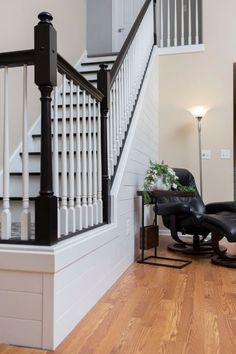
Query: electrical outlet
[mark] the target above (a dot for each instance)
(206, 154)
(225, 154)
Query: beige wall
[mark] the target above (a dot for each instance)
(17, 32)
(207, 79)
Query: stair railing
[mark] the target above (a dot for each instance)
(70, 196)
(179, 23)
(121, 87)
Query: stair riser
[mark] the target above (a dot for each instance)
(75, 111)
(75, 126)
(34, 163)
(37, 145)
(59, 101)
(16, 186)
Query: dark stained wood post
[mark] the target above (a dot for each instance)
(45, 40)
(103, 84)
(155, 20)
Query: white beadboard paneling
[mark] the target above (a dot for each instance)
(20, 305)
(48, 312)
(21, 281)
(21, 332)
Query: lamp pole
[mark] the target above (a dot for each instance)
(200, 151)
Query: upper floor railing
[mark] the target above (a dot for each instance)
(179, 23)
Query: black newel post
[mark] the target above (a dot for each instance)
(45, 40)
(155, 20)
(104, 87)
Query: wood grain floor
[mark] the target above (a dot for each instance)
(153, 310)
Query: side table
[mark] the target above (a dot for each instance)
(146, 260)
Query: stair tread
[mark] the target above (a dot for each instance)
(38, 174)
(98, 62)
(60, 135)
(36, 153)
(74, 105)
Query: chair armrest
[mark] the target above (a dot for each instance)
(213, 208)
(172, 208)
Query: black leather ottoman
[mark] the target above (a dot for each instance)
(222, 224)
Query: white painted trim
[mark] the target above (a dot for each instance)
(54, 258)
(182, 49)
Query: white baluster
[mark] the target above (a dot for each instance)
(123, 101)
(90, 178)
(111, 163)
(189, 23)
(168, 23)
(25, 215)
(64, 208)
(126, 94)
(56, 159)
(176, 34)
(100, 202)
(78, 207)
(120, 109)
(182, 22)
(71, 211)
(162, 25)
(84, 167)
(95, 172)
(117, 117)
(197, 25)
(6, 212)
(113, 107)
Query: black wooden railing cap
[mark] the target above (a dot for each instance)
(45, 17)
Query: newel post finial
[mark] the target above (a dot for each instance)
(45, 17)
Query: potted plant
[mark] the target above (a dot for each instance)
(160, 176)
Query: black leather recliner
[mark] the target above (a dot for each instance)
(189, 215)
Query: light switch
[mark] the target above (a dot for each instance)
(225, 154)
(206, 154)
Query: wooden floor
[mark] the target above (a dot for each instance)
(153, 310)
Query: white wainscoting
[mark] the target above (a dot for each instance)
(56, 286)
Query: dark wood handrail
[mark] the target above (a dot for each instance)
(119, 60)
(72, 74)
(18, 58)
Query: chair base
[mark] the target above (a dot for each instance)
(225, 262)
(204, 249)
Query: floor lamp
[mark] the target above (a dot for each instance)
(199, 112)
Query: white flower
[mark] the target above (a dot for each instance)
(174, 186)
(170, 171)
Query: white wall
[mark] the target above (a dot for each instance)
(69, 278)
(17, 33)
(204, 78)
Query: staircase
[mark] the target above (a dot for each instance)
(60, 179)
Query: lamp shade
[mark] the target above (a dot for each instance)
(198, 111)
